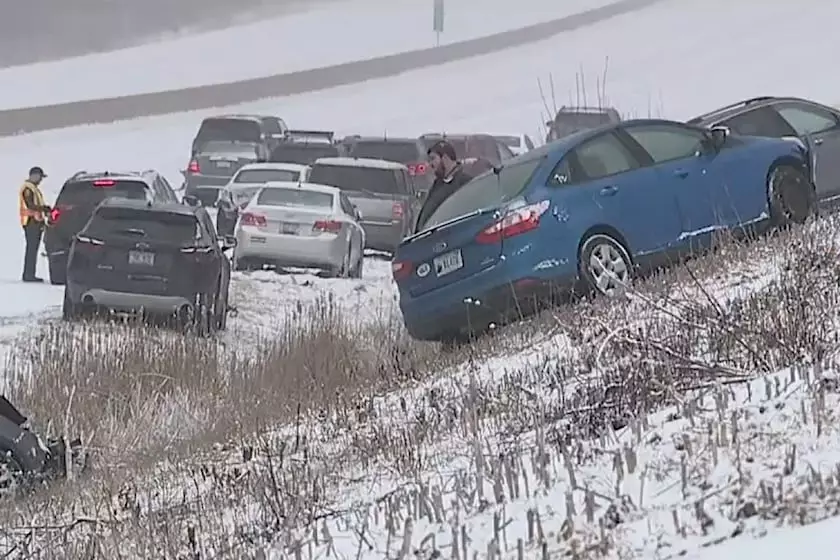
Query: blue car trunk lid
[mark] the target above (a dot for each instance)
(447, 253)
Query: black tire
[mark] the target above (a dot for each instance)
(358, 269)
(792, 196)
(220, 311)
(616, 270)
(244, 264)
(58, 272)
(69, 310)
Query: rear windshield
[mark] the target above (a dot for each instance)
(485, 191)
(510, 141)
(356, 179)
(223, 146)
(228, 129)
(144, 224)
(400, 152)
(266, 175)
(303, 154)
(566, 124)
(91, 193)
(469, 147)
(294, 197)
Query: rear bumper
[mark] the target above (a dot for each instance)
(494, 296)
(382, 237)
(127, 301)
(290, 250)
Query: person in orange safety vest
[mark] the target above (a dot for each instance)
(33, 218)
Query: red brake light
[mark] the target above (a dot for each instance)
(401, 270)
(55, 214)
(398, 210)
(516, 221)
(251, 219)
(193, 167)
(104, 183)
(327, 226)
(419, 168)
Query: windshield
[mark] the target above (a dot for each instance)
(228, 147)
(566, 124)
(228, 129)
(303, 154)
(488, 190)
(295, 197)
(400, 152)
(356, 179)
(91, 193)
(154, 226)
(266, 175)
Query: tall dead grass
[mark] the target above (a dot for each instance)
(152, 403)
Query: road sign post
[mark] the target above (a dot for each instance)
(438, 20)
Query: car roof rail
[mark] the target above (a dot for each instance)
(742, 103)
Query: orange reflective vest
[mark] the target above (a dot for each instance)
(38, 201)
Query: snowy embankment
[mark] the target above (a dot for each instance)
(376, 430)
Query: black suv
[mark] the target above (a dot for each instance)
(264, 129)
(156, 259)
(81, 193)
(569, 120)
(302, 151)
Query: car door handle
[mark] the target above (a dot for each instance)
(681, 173)
(609, 191)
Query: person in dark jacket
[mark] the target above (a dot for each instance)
(449, 177)
(33, 218)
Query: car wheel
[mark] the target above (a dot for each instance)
(221, 312)
(604, 264)
(792, 196)
(69, 310)
(244, 264)
(58, 272)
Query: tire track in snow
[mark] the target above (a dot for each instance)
(48, 117)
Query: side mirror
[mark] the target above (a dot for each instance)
(190, 200)
(228, 242)
(718, 136)
(357, 213)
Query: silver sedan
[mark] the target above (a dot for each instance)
(300, 225)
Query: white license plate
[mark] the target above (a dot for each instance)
(450, 262)
(289, 229)
(222, 164)
(141, 258)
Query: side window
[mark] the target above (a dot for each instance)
(402, 188)
(346, 206)
(764, 121)
(207, 225)
(665, 142)
(604, 156)
(504, 151)
(806, 119)
(272, 125)
(163, 191)
(562, 173)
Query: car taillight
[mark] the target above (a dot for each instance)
(515, 222)
(327, 226)
(104, 183)
(401, 270)
(55, 214)
(398, 210)
(419, 168)
(193, 167)
(251, 219)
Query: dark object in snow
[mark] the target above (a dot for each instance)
(26, 459)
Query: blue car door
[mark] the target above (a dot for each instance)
(618, 191)
(677, 155)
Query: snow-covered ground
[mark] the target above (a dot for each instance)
(326, 34)
(664, 67)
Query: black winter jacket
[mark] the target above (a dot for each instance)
(440, 190)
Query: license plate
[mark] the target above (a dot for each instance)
(450, 262)
(141, 258)
(222, 164)
(288, 229)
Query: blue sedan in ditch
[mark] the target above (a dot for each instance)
(591, 211)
